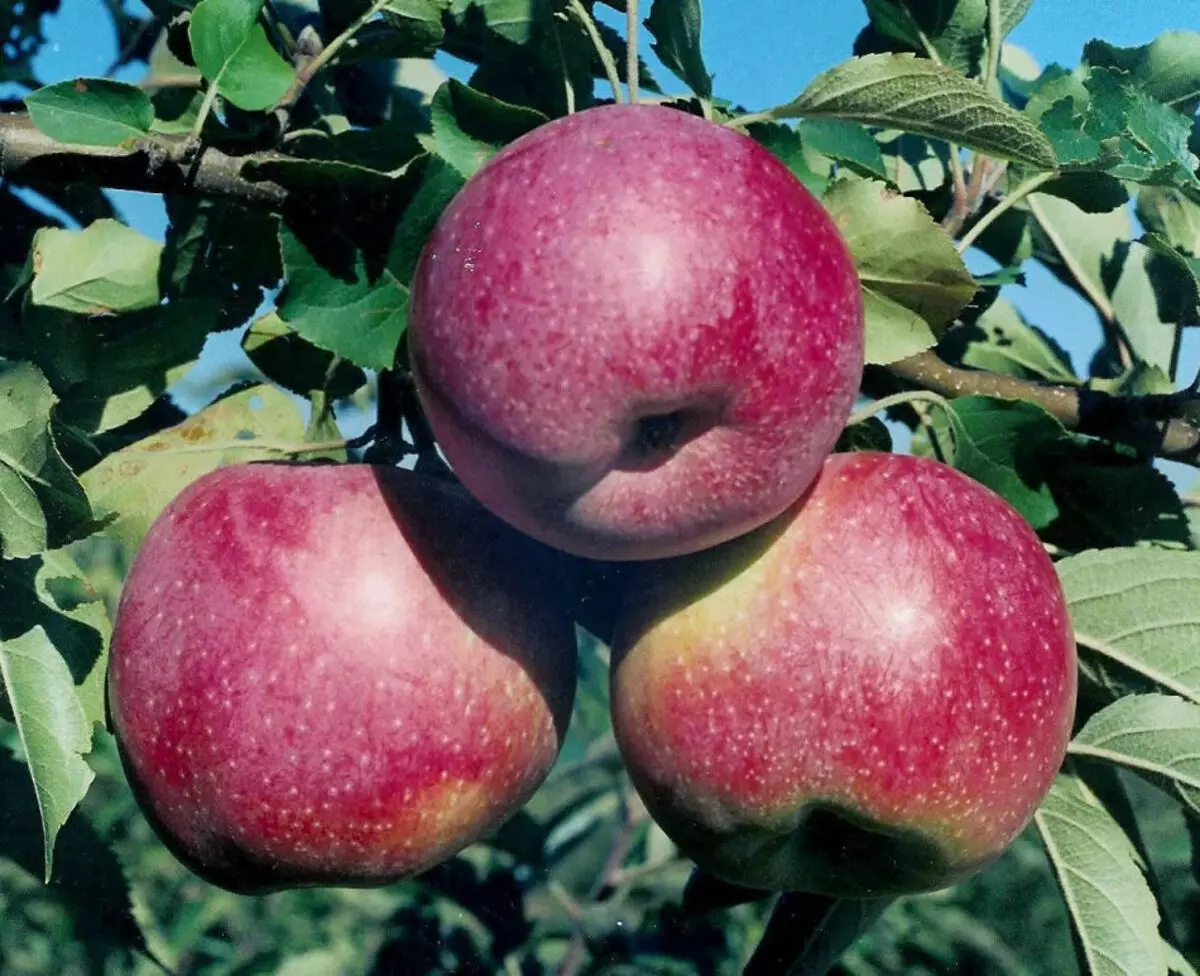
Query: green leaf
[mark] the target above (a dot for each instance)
(135, 484)
(1075, 246)
(914, 282)
(1001, 341)
(42, 504)
(105, 268)
(784, 142)
(1185, 287)
(469, 126)
(1168, 68)
(1177, 962)
(359, 316)
(1114, 126)
(675, 26)
(513, 20)
(956, 31)
(914, 163)
(1172, 216)
(1137, 610)
(53, 728)
(107, 376)
(1155, 736)
(295, 364)
(1112, 909)
(232, 52)
(844, 142)
(439, 184)
(1001, 443)
(1151, 296)
(91, 112)
(394, 38)
(49, 592)
(416, 25)
(899, 91)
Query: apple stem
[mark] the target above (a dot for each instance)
(631, 50)
(602, 52)
(895, 400)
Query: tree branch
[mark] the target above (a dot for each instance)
(33, 159)
(1154, 424)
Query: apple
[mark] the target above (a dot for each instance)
(868, 697)
(334, 674)
(635, 333)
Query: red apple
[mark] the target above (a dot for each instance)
(337, 674)
(635, 333)
(869, 696)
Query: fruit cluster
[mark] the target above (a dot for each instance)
(636, 337)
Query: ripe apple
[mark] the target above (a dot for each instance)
(635, 333)
(867, 697)
(336, 674)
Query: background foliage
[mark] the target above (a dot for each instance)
(304, 152)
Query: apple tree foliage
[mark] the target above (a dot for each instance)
(304, 151)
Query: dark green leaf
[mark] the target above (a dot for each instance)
(899, 91)
(88, 878)
(91, 111)
(1114, 126)
(844, 142)
(219, 254)
(1168, 68)
(50, 592)
(1001, 443)
(807, 934)
(1108, 500)
(1003, 342)
(360, 316)
(42, 505)
(675, 26)
(439, 184)
(469, 126)
(1090, 192)
(785, 143)
(514, 20)
(869, 435)
(287, 359)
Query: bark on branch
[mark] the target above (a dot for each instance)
(33, 159)
(1156, 425)
(1153, 424)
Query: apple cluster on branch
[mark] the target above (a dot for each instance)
(346, 674)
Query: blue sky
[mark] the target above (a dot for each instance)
(763, 53)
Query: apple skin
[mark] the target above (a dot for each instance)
(867, 697)
(334, 675)
(635, 333)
